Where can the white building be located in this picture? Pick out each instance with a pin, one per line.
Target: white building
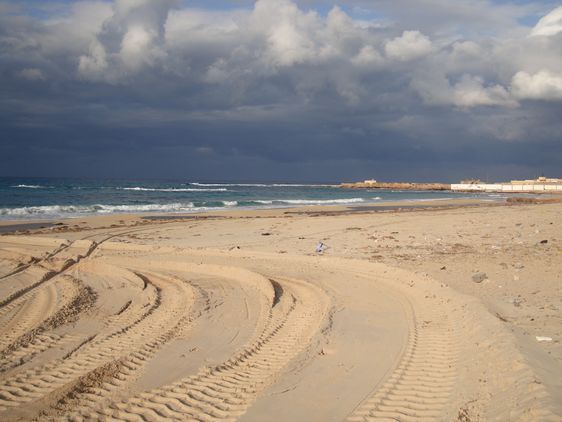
(542, 184)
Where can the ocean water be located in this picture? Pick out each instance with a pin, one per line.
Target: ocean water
(50, 198)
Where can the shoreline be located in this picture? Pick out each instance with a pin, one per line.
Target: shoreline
(24, 226)
(27, 226)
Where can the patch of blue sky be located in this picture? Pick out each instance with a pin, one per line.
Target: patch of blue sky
(218, 5)
(321, 7)
(537, 9)
(47, 9)
(42, 10)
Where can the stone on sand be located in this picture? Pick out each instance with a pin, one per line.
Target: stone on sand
(479, 277)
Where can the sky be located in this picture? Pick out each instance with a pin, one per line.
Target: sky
(281, 90)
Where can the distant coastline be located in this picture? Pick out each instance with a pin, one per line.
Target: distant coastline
(367, 184)
(539, 185)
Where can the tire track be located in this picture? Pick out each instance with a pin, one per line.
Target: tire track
(422, 384)
(62, 292)
(226, 391)
(455, 338)
(145, 332)
(68, 263)
(31, 313)
(28, 352)
(35, 260)
(76, 298)
(50, 274)
(8, 312)
(93, 392)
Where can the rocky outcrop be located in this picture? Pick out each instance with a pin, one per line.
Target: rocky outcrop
(397, 186)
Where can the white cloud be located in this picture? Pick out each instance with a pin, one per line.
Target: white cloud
(367, 56)
(433, 87)
(289, 45)
(470, 91)
(280, 53)
(543, 85)
(131, 38)
(32, 74)
(92, 65)
(287, 30)
(72, 33)
(411, 45)
(137, 47)
(550, 24)
(466, 49)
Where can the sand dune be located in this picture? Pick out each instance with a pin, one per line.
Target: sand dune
(129, 324)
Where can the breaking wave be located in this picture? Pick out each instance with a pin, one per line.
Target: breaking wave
(60, 211)
(30, 186)
(138, 188)
(75, 210)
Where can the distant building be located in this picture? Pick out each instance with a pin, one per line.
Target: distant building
(370, 182)
(540, 180)
(541, 184)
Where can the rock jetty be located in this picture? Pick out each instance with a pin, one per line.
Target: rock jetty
(396, 185)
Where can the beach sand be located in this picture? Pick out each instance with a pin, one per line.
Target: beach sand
(445, 313)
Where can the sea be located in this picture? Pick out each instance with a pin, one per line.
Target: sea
(54, 198)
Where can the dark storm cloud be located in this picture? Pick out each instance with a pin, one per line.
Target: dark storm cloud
(275, 90)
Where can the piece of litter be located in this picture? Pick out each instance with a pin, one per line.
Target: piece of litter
(543, 338)
(321, 247)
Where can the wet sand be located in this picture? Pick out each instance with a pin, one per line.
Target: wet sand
(15, 227)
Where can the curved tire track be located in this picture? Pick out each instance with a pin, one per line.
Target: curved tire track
(34, 261)
(226, 391)
(76, 298)
(30, 314)
(144, 332)
(124, 370)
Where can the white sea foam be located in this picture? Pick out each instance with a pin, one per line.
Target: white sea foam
(175, 207)
(57, 211)
(29, 186)
(310, 201)
(74, 210)
(138, 188)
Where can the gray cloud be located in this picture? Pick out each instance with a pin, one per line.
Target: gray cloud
(275, 85)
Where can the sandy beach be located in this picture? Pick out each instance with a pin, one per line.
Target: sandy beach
(452, 312)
